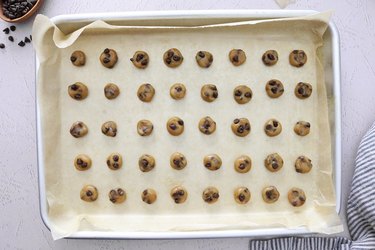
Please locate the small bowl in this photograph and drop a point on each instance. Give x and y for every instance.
(22, 18)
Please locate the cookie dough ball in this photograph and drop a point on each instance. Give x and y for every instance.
(82, 162)
(89, 193)
(140, 59)
(114, 161)
(302, 128)
(274, 88)
(212, 162)
(111, 91)
(241, 127)
(270, 194)
(242, 94)
(178, 161)
(78, 91)
(177, 91)
(175, 126)
(146, 163)
(242, 195)
(204, 59)
(173, 58)
(145, 127)
(296, 197)
(274, 162)
(108, 58)
(149, 196)
(270, 57)
(209, 92)
(179, 194)
(109, 129)
(242, 164)
(78, 129)
(303, 164)
(272, 127)
(117, 195)
(303, 90)
(78, 58)
(146, 92)
(210, 195)
(207, 125)
(297, 58)
(237, 57)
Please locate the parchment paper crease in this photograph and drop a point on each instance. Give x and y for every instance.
(68, 214)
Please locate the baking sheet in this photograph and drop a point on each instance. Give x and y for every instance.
(68, 214)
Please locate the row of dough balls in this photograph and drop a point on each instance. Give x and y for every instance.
(176, 126)
(209, 92)
(174, 58)
(273, 162)
(179, 194)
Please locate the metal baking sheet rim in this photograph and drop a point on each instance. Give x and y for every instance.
(195, 14)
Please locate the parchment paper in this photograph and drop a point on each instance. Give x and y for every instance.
(68, 214)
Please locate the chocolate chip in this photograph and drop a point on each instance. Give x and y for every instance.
(275, 123)
(2, 46)
(144, 62)
(274, 90)
(173, 126)
(139, 57)
(170, 54)
(145, 192)
(215, 95)
(181, 122)
(27, 40)
(77, 96)
(6, 31)
(168, 61)
(241, 197)
(176, 58)
(242, 166)
(89, 193)
(74, 87)
(238, 93)
(201, 54)
(269, 127)
(106, 51)
(236, 121)
(73, 58)
(248, 94)
(10, 38)
(106, 60)
(115, 158)
(301, 91)
(274, 165)
(307, 125)
(235, 58)
(240, 129)
(31, 37)
(22, 43)
(271, 57)
(215, 195)
(12, 28)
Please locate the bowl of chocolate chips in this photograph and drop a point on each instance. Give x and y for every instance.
(16, 11)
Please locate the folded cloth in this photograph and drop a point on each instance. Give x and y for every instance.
(360, 210)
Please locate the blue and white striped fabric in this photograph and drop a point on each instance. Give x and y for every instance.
(360, 210)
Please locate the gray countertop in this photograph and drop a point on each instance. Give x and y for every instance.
(21, 226)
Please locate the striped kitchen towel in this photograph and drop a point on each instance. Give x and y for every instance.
(360, 210)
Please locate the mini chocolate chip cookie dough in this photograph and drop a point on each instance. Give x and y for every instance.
(175, 126)
(272, 127)
(210, 195)
(140, 59)
(242, 195)
(149, 196)
(177, 91)
(145, 127)
(146, 92)
(111, 91)
(270, 194)
(270, 57)
(109, 128)
(241, 127)
(242, 94)
(273, 162)
(303, 164)
(274, 88)
(146, 163)
(78, 129)
(237, 57)
(178, 161)
(212, 162)
(108, 58)
(209, 92)
(114, 161)
(207, 125)
(242, 164)
(303, 90)
(78, 91)
(78, 58)
(117, 195)
(179, 194)
(296, 197)
(173, 58)
(89, 193)
(302, 128)
(297, 58)
(82, 162)
(204, 59)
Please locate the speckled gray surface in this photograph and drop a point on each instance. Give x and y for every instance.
(20, 223)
